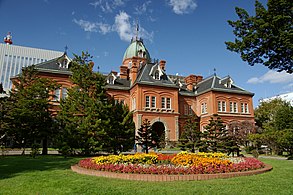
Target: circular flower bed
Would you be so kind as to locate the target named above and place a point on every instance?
(182, 163)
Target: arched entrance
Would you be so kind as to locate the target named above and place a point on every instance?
(159, 128)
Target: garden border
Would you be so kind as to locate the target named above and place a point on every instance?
(156, 177)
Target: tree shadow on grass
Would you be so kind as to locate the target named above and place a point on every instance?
(11, 166)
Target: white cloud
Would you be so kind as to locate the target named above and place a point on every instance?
(93, 26)
(126, 31)
(182, 6)
(139, 10)
(104, 28)
(122, 26)
(108, 6)
(272, 77)
(86, 25)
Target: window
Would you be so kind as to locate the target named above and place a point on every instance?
(235, 107)
(163, 102)
(133, 104)
(57, 95)
(231, 106)
(190, 110)
(147, 101)
(64, 63)
(221, 106)
(157, 75)
(244, 108)
(187, 110)
(168, 103)
(111, 80)
(64, 92)
(204, 108)
(153, 101)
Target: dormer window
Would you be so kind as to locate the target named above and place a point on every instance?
(229, 83)
(63, 63)
(157, 75)
(141, 53)
(111, 80)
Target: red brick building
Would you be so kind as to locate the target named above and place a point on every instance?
(165, 100)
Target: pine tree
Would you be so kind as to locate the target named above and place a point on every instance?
(146, 137)
(265, 38)
(89, 119)
(191, 136)
(120, 132)
(29, 118)
(83, 113)
(216, 135)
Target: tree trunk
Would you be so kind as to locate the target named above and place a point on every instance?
(45, 147)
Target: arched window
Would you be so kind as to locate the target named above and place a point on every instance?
(157, 75)
(111, 80)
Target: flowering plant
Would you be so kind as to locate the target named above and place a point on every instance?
(182, 163)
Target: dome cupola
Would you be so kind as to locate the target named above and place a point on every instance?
(136, 49)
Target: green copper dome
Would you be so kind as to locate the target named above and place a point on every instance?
(137, 48)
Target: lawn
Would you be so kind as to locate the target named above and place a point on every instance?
(52, 175)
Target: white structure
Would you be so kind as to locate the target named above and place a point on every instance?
(288, 97)
(13, 58)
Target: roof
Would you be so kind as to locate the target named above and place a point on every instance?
(146, 75)
(138, 49)
(57, 65)
(215, 83)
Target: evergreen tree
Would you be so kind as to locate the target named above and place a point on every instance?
(29, 118)
(191, 136)
(89, 119)
(120, 132)
(216, 136)
(4, 107)
(83, 113)
(1, 89)
(146, 137)
(265, 38)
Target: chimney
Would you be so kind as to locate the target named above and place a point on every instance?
(199, 78)
(190, 81)
(162, 64)
(123, 72)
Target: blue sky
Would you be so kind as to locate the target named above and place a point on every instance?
(188, 34)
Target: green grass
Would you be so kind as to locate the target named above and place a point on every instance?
(52, 175)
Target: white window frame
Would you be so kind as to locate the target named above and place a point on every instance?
(235, 107)
(133, 103)
(221, 106)
(153, 103)
(64, 92)
(147, 101)
(204, 108)
(246, 108)
(163, 102)
(168, 105)
(57, 95)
